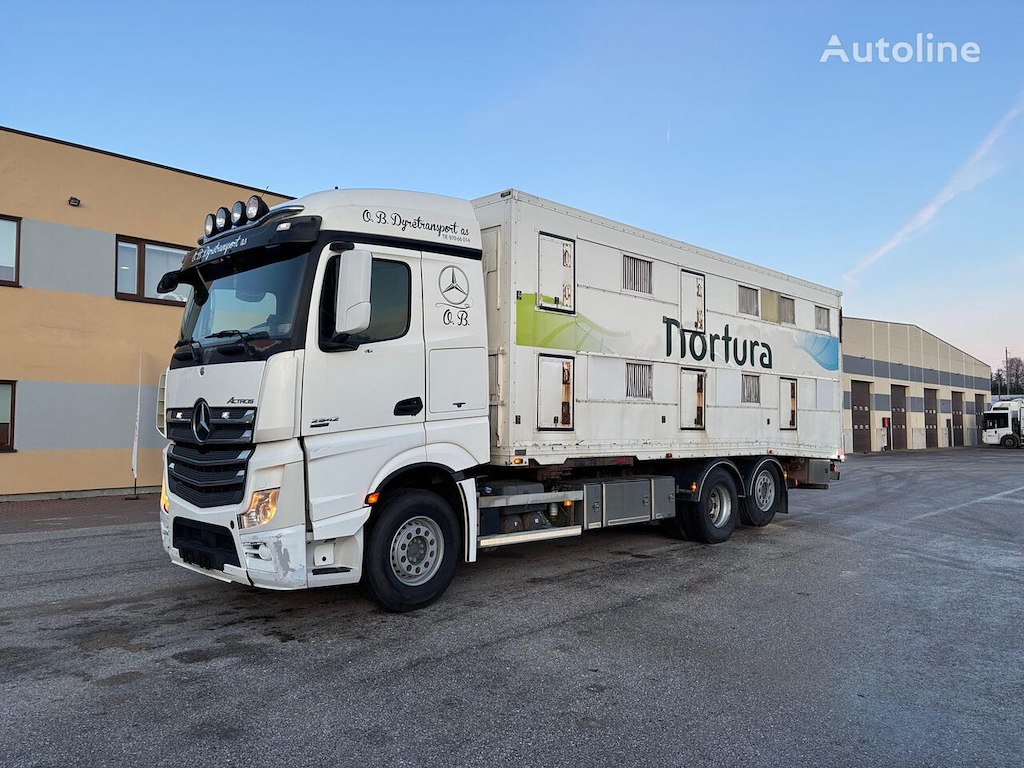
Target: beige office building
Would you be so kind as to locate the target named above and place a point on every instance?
(904, 388)
(84, 237)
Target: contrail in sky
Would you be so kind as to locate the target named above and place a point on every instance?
(978, 167)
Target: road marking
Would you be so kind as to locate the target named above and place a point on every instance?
(904, 523)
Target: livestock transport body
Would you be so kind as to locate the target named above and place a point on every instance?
(373, 385)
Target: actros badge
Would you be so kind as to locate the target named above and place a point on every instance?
(454, 285)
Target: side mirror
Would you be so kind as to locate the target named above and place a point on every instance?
(169, 282)
(352, 306)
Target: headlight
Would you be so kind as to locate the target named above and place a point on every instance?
(165, 500)
(223, 218)
(238, 213)
(261, 509)
(210, 225)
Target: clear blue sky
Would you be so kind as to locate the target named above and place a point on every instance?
(900, 184)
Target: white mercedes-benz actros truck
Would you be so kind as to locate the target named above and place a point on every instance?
(372, 386)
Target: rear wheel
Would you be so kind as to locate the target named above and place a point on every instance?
(764, 498)
(410, 557)
(713, 518)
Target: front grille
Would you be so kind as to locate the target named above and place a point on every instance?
(211, 473)
(203, 544)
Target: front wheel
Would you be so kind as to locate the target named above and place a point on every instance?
(1009, 441)
(411, 555)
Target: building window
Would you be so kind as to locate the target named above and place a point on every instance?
(636, 274)
(639, 380)
(821, 319)
(751, 388)
(10, 239)
(787, 310)
(748, 301)
(6, 415)
(141, 264)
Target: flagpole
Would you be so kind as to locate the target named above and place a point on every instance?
(135, 439)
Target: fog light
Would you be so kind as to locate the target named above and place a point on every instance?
(261, 509)
(264, 552)
(255, 208)
(223, 217)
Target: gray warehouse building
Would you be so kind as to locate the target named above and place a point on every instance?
(905, 388)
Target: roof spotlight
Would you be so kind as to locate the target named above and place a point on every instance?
(211, 225)
(255, 208)
(223, 218)
(238, 213)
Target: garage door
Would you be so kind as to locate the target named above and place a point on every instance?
(860, 400)
(931, 418)
(958, 418)
(899, 417)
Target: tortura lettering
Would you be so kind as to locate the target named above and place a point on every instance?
(716, 346)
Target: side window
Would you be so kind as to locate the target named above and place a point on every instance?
(751, 388)
(748, 301)
(390, 302)
(10, 236)
(636, 274)
(787, 310)
(821, 319)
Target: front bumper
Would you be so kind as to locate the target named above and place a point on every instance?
(280, 554)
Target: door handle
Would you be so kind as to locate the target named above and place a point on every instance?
(409, 407)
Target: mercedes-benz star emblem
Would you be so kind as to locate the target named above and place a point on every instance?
(454, 285)
(201, 421)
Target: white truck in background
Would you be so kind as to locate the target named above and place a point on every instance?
(1002, 423)
(373, 385)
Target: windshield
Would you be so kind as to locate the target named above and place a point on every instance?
(260, 302)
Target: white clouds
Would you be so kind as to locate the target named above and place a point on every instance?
(981, 165)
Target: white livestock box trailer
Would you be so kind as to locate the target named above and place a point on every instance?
(372, 385)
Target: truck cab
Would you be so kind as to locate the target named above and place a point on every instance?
(330, 347)
(1002, 424)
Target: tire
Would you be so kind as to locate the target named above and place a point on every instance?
(1009, 441)
(765, 497)
(713, 518)
(411, 555)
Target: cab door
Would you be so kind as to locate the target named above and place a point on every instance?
(363, 407)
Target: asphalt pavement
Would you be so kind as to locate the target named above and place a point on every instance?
(879, 624)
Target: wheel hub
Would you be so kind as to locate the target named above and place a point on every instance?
(417, 550)
(764, 491)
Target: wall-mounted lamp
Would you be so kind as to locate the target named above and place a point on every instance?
(74, 202)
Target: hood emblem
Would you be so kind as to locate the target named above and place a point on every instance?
(201, 421)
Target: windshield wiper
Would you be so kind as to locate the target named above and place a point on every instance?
(244, 337)
(194, 348)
